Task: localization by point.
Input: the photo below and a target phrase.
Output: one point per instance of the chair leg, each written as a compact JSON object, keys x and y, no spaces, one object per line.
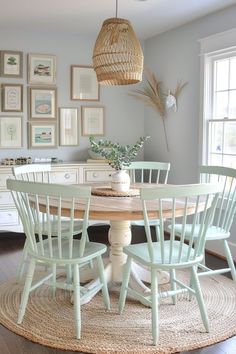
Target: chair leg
{"x":76,"y":280}
{"x":154,"y":297}
{"x":124,"y":286}
{"x":173,"y":285}
{"x":22,"y":263}
{"x":103,"y":281}
{"x":199,"y":297}
{"x":229,"y":259}
{"x":26,"y":291}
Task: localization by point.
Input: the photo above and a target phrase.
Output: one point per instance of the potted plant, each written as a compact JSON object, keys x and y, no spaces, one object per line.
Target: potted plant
{"x":119,"y":157}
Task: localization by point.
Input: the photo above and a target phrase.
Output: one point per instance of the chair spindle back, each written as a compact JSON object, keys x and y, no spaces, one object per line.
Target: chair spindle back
{"x":182,"y":202}
{"x":33,"y":198}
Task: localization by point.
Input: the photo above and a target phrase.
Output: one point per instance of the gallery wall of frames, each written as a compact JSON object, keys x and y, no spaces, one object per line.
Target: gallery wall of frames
{"x":49,"y":125}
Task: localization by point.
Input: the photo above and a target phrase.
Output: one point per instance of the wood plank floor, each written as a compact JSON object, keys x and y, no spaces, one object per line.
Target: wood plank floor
{"x":10,"y":343}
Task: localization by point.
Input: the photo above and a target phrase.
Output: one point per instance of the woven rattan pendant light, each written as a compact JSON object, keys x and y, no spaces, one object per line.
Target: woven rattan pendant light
{"x":117,"y":54}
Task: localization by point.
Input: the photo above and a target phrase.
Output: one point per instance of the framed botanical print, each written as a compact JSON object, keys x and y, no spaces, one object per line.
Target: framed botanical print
{"x":42,"y":135}
{"x":68,"y":127}
{"x":11,"y":63}
{"x":84,"y":83}
{"x":42,"y":103}
{"x":10,"y":132}
{"x":92,"y":119}
{"x":42,"y":69}
{"x":12,"y":97}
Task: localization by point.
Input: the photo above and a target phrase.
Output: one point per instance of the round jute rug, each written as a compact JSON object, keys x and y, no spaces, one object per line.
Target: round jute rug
{"x":50,"y":321}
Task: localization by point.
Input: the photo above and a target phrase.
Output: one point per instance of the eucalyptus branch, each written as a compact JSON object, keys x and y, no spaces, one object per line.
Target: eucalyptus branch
{"x":118,"y":156}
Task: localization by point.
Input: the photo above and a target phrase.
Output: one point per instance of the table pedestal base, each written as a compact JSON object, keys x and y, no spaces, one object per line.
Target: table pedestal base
{"x":120,"y":236}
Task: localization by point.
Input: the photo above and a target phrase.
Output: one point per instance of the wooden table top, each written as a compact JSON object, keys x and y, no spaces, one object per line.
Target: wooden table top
{"x":120,"y":208}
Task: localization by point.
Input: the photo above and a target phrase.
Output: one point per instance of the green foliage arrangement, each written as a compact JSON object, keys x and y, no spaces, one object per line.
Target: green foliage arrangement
{"x":118,"y":156}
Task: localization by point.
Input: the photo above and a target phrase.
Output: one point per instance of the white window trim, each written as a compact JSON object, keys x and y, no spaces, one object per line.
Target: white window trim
{"x":218,"y":44}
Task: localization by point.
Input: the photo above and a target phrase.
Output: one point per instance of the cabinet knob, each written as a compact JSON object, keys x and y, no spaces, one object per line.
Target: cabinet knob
{"x":95,"y":174}
{"x":67,"y":175}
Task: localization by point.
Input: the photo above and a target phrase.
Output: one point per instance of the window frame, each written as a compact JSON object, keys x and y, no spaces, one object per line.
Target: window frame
{"x":207,"y":96}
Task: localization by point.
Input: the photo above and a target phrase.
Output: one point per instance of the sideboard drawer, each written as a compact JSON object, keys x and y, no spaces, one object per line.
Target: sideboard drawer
{"x":3,"y":179}
{"x":9,"y":217}
{"x":6,"y":198}
{"x":98,"y":176}
{"x":64,"y":177}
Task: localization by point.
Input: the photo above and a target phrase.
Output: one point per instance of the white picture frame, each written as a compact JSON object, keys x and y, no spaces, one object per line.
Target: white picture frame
{"x":11,"y":133}
{"x":92,"y":120}
{"x":68,"y":126}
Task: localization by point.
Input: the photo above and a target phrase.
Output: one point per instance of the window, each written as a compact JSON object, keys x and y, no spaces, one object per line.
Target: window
{"x":221,"y":116}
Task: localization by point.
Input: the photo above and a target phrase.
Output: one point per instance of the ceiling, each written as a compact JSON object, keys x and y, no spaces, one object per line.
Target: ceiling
{"x":85,"y":17}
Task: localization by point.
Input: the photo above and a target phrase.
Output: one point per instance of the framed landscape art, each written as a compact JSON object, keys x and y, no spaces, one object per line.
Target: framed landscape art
{"x":42,"y":135}
{"x":11,"y":63}
{"x":42,"y":102}
{"x":42,"y":69}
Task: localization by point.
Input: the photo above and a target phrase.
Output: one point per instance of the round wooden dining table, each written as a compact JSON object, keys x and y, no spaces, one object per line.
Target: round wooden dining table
{"x":120,"y":211}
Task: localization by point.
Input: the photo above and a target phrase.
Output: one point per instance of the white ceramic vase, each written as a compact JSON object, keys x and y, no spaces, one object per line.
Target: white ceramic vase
{"x":120,"y":181}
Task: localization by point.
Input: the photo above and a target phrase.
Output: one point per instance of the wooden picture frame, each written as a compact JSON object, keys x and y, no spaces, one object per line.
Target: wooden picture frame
{"x":68,"y":126}
{"x":11,"y":63}
{"x":92,"y":120}
{"x":84,"y":84}
{"x":42,"y":69}
{"x":12,"y":97}
{"x":42,"y":102}
{"x":42,"y":135}
{"x":11,"y":132}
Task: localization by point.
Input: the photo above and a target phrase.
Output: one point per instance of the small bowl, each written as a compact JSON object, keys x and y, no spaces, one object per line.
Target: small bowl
{"x":95,"y":156}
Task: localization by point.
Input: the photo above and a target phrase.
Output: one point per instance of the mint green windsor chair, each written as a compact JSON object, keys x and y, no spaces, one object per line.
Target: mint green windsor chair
{"x":40,"y":173}
{"x":172,"y":254}
{"x":219,"y":231}
{"x":54,"y":251}
{"x":149,"y":172}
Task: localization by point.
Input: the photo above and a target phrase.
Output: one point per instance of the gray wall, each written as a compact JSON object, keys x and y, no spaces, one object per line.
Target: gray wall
{"x":123,"y":115}
{"x":174,"y":56}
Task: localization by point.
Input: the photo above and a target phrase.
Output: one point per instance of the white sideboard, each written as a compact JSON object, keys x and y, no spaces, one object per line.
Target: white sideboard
{"x":63,"y":173}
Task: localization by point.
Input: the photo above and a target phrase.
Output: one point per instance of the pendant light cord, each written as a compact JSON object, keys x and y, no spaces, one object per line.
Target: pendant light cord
{"x":116,"y":8}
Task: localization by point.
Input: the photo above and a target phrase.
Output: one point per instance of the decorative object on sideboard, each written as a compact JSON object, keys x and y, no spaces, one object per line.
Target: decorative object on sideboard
{"x":118,"y":157}
{"x":117,"y":54}
{"x":11,"y":63}
{"x":153,"y":95}
{"x":16,"y":161}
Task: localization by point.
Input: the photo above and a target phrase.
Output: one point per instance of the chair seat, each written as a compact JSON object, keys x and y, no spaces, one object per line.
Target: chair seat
{"x":141,"y":222}
{"x":140,"y":253}
{"x":92,"y":250}
{"x":213,"y":232}
{"x":65,"y":228}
